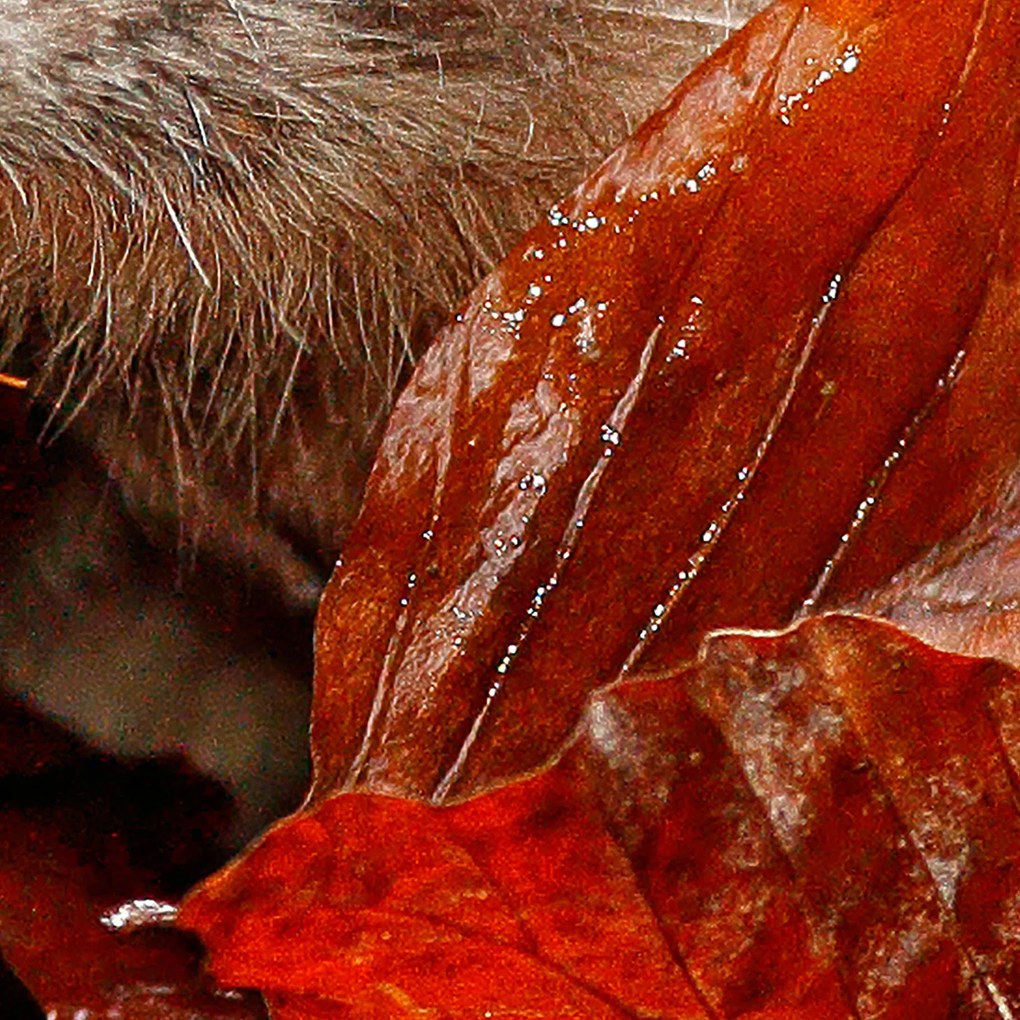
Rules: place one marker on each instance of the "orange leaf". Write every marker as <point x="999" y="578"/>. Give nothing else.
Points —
<point x="769" y="832"/>
<point x="753" y="365"/>
<point x="758" y="365"/>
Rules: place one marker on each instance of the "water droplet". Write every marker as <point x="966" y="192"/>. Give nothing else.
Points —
<point x="138" y="914"/>
<point x="832" y="291"/>
<point x="678" y="350"/>
<point x="610" y="435"/>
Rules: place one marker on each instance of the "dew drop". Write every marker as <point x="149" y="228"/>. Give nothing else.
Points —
<point x="610" y="435"/>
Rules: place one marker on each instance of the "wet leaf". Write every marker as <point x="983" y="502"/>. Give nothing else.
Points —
<point x="752" y="367"/>
<point x="758" y="366"/>
<point x="768" y="832"/>
<point x="78" y="835"/>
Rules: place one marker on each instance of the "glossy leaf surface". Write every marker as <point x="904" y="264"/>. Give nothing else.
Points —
<point x="760" y="365"/>
<point x="751" y="367"/>
<point x="769" y="832"/>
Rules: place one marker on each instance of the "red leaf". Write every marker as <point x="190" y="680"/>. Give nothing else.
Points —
<point x="754" y="418"/>
<point x="66" y="859"/>
<point x="964" y="596"/>
<point x="769" y="832"/>
<point x="52" y="899"/>
<point x="753" y="368"/>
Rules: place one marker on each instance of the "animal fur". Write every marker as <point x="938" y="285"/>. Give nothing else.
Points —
<point x="231" y="224"/>
<point x="228" y="228"/>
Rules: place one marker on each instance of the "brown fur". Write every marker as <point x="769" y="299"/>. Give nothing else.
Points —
<point x="230" y="224"/>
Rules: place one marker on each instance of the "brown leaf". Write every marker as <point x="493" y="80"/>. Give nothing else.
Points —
<point x="759" y="365"/>
<point x="753" y="366"/>
<point x="964" y="595"/>
<point x="767" y="833"/>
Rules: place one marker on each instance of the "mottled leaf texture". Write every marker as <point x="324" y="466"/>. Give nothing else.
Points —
<point x="768" y="832"/>
<point x="760" y="365"/>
